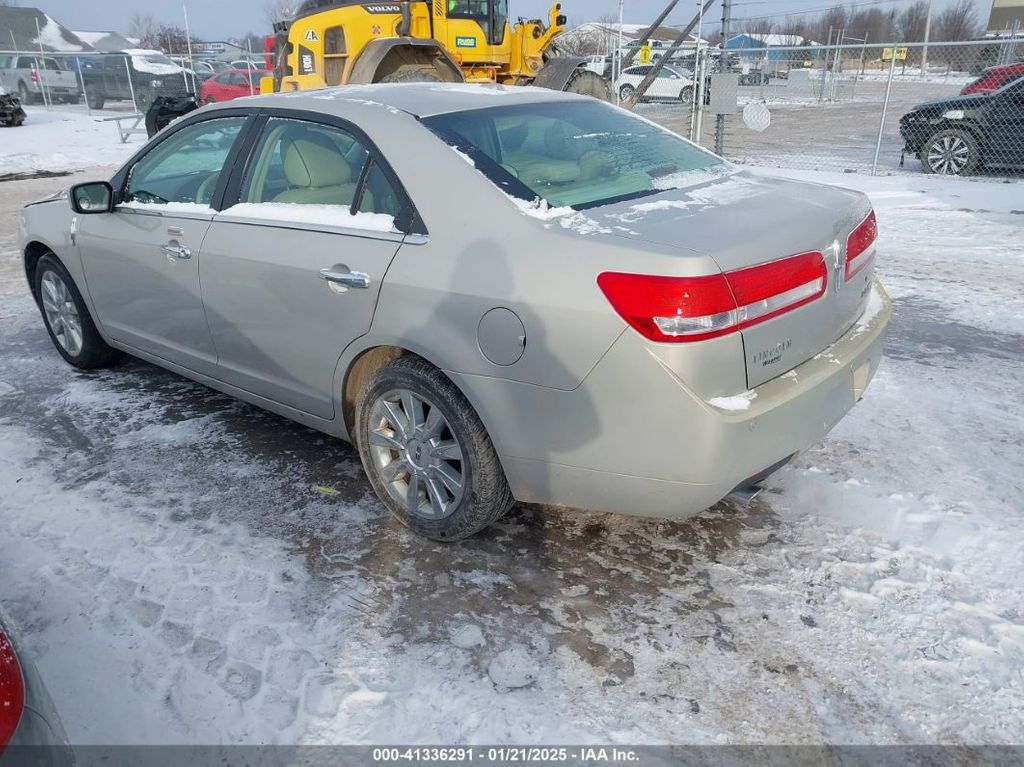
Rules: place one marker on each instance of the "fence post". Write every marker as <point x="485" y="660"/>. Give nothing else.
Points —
<point x="81" y="79"/>
<point x="131" y="85"/>
<point x="885" y="108"/>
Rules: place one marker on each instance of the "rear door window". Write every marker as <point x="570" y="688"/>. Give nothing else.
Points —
<point x="318" y="174"/>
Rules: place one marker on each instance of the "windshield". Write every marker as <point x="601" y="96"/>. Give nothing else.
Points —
<point x="579" y="154"/>
<point x="157" y="58"/>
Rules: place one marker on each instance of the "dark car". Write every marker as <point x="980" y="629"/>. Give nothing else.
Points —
<point x="30" y="730"/>
<point x="994" y="78"/>
<point x="964" y="134"/>
<point x="143" y="74"/>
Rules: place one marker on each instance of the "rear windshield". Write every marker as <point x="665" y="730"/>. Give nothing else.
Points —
<point x="578" y="154"/>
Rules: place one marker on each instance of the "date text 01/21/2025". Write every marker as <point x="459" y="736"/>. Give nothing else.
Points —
<point x="505" y="754"/>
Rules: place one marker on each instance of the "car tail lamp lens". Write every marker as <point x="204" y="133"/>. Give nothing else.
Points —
<point x="34" y="75"/>
<point x="12" y="691"/>
<point x="860" y="245"/>
<point x="681" y="309"/>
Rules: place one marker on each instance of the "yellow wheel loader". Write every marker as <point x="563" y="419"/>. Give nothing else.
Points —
<point x="340" y="42"/>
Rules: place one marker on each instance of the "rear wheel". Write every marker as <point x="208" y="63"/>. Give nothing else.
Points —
<point x="413" y="73"/>
<point x="24" y="94"/>
<point x="951" y="152"/>
<point x="587" y="83"/>
<point x="94" y="98"/>
<point x="686" y="95"/>
<point x="426" y="452"/>
<point x="67" y="318"/>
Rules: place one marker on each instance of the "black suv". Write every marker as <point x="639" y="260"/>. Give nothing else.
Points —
<point x="964" y="134"/>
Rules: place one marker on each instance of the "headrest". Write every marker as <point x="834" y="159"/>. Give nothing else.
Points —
<point x="313" y="160"/>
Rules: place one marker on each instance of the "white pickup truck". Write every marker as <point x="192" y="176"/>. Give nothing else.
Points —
<point x="26" y="75"/>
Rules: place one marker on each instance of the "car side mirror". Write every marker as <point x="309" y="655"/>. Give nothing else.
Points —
<point x="93" y="197"/>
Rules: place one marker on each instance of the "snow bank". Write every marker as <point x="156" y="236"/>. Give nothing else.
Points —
<point x="62" y="141"/>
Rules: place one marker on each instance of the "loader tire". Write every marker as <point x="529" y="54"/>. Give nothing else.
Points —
<point x="587" y="83"/>
<point x="413" y="73"/>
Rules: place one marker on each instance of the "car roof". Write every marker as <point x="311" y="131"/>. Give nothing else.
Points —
<point x="417" y="99"/>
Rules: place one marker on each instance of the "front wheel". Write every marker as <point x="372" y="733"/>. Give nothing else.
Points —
<point x="67" y="318"/>
<point x="143" y="99"/>
<point x="686" y="95"/>
<point x="951" y="152"/>
<point x="413" y="73"/>
<point x="626" y="92"/>
<point x="426" y="452"/>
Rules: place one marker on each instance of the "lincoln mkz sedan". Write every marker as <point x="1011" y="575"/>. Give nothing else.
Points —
<point x="494" y="293"/>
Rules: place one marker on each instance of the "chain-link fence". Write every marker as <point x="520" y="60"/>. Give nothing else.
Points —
<point x="953" y="108"/>
<point x="99" y="82"/>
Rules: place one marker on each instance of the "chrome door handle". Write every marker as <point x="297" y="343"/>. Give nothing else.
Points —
<point x="176" y="251"/>
<point x="346" y="279"/>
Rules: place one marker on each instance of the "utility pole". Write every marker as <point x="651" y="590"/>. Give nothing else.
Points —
<point x="650" y="30"/>
<point x="617" y="61"/>
<point x="927" y="34"/>
<point x="722" y="60"/>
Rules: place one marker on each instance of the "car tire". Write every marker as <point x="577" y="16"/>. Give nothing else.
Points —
<point x="951" y="151"/>
<point x="626" y="92"/>
<point x="94" y="98"/>
<point x="587" y="83"/>
<point x="67" y="318"/>
<point x="686" y="95"/>
<point x="413" y="73"/>
<point x="412" y="463"/>
<point x="143" y="99"/>
<point x="24" y="94"/>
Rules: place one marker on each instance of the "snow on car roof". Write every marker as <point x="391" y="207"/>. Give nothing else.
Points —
<point x="418" y="99"/>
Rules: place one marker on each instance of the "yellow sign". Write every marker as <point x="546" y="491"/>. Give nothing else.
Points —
<point x="645" y="54"/>
<point x="901" y="54"/>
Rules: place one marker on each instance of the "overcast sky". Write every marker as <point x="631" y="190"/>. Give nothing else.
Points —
<point x="218" y="19"/>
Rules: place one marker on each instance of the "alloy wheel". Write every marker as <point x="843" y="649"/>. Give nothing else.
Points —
<point x="949" y="155"/>
<point x="416" y="454"/>
<point x="61" y="313"/>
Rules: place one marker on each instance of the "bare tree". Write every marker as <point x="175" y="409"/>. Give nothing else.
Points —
<point x="142" y="26"/>
<point x="911" y="20"/>
<point x="279" y="10"/>
<point x="957" y="22"/>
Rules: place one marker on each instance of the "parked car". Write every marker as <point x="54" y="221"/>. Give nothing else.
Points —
<point x="203" y="69"/>
<point x="232" y="84"/>
<point x="30" y="729"/>
<point x="151" y="73"/>
<point x="604" y="316"/>
<point x="671" y="83"/>
<point x="27" y="75"/>
<point x="994" y="78"/>
<point x="11" y="113"/>
<point x="964" y="134"/>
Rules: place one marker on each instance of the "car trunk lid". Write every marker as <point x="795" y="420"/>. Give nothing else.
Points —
<point x="745" y="221"/>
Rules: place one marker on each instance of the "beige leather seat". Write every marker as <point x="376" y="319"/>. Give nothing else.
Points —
<point x="316" y="171"/>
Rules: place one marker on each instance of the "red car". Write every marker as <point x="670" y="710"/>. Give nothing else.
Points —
<point x="994" y="78"/>
<point x="231" y="84"/>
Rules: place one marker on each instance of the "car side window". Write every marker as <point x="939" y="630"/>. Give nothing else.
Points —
<point x="304" y="163"/>
<point x="184" y="167"/>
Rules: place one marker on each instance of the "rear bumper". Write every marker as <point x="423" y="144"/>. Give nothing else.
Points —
<point x="634" y="439"/>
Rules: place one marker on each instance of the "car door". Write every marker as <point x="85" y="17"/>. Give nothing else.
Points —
<point x="291" y="273"/>
<point x="141" y="261"/>
<point x="1005" y="126"/>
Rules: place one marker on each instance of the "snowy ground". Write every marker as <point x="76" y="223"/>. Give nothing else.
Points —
<point x="188" y="569"/>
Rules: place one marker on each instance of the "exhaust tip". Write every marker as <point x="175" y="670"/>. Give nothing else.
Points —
<point x="745" y="494"/>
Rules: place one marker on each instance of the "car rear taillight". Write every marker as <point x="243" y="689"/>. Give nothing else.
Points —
<point x="12" y="691"/>
<point x="682" y="309"/>
<point x="860" y="245"/>
<point x="34" y="75"/>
